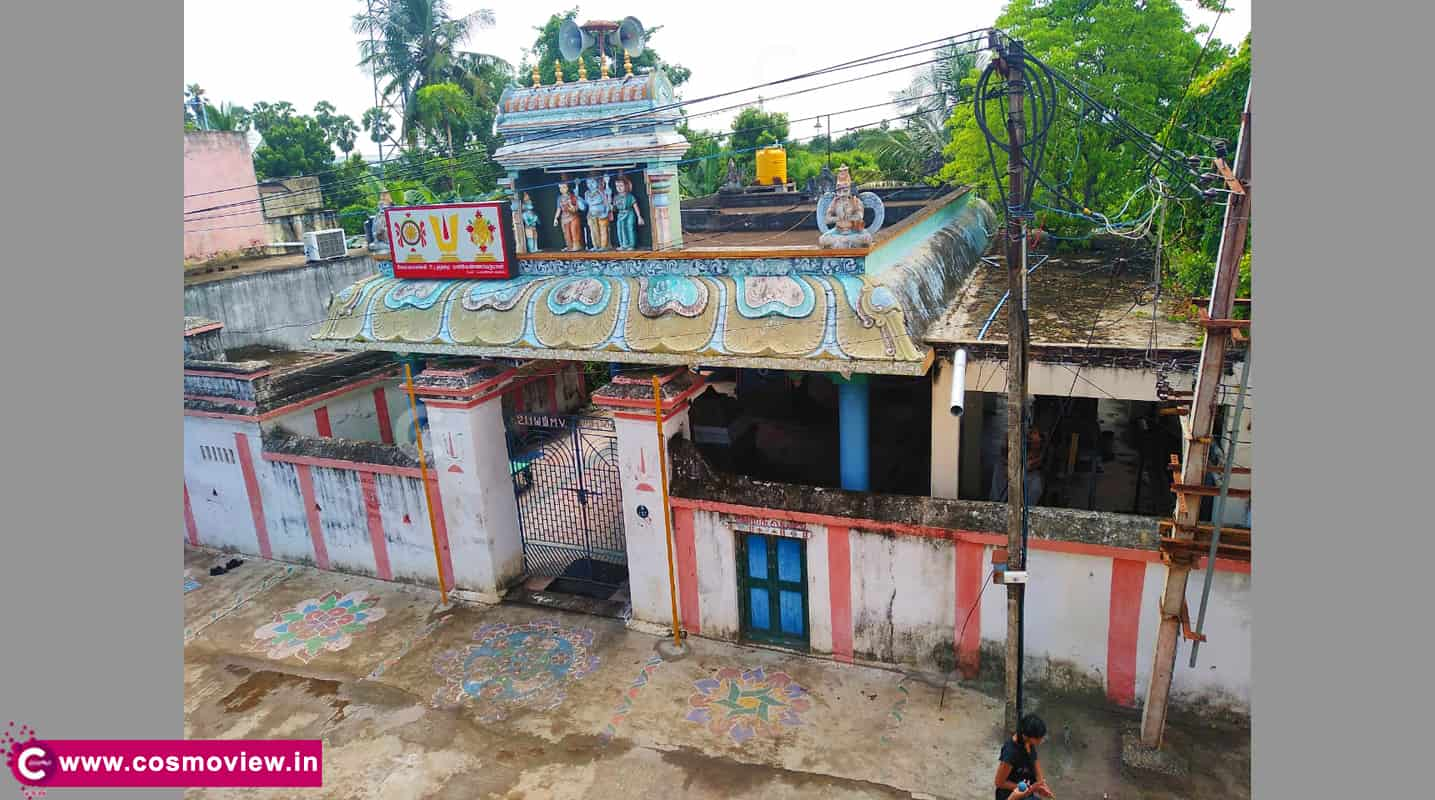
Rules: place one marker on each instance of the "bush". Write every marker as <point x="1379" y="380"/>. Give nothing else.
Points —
<point x="352" y="218"/>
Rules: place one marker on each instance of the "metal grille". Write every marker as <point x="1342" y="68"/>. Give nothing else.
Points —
<point x="565" y="476"/>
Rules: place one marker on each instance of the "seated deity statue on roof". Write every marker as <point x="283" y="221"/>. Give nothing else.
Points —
<point x="843" y="216"/>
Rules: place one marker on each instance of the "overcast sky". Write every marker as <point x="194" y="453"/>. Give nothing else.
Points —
<point x="304" y="51"/>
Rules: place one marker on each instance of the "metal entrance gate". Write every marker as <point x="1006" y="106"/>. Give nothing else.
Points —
<point x="570" y="510"/>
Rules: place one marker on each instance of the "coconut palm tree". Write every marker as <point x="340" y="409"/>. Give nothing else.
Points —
<point x="415" y="43"/>
<point x="227" y="117"/>
<point x="915" y="149"/>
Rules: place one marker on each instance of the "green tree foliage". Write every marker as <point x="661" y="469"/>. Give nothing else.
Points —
<point x="705" y="165"/>
<point x="417" y="43"/>
<point x="1138" y="58"/>
<point x="292" y="144"/>
<point x="376" y="123"/>
<point x="344" y="184"/>
<point x="1132" y="54"/>
<point x="1213" y="109"/>
<point x="227" y="117"/>
<point x="913" y="150"/>
<point x="339" y="128"/>
<point x="753" y="128"/>
<point x="545" y="53"/>
<point x="264" y="114"/>
<point x="442" y="107"/>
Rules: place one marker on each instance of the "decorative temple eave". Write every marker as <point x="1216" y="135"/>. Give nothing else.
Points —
<point x="627" y="149"/>
<point x="586" y="124"/>
<point x="767" y="312"/>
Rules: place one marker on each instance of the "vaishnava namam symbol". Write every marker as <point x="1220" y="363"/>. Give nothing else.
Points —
<point x="481" y="231"/>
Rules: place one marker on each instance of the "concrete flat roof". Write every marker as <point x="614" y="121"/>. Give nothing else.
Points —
<point x="1073" y="300"/>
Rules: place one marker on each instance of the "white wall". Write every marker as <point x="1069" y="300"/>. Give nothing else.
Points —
<point x="717" y="576"/>
<point x="479" y="506"/>
<point x="903" y="597"/>
<point x="1067" y="616"/>
<point x="647" y="551"/>
<point x="218" y="496"/>
<point x="1227" y="649"/>
<point x="284" y="513"/>
<point x="407" y="534"/>
<point x="353" y="415"/>
<point x="226" y="520"/>
<point x="344" y="520"/>
<point x="819" y="591"/>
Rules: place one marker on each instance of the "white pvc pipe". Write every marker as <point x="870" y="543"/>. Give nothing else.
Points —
<point x="959" y="382"/>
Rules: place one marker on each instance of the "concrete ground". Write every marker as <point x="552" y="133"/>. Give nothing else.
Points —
<point x="520" y="702"/>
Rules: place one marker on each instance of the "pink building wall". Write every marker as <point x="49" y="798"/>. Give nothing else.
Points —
<point x="219" y="184"/>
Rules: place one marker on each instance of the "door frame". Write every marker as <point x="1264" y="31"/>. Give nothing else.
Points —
<point x="773" y="585"/>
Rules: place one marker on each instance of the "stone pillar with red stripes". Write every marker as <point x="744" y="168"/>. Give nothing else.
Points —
<point x="629" y="397"/>
<point x="474" y="494"/>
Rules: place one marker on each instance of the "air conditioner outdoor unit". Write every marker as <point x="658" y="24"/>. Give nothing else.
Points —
<point x="325" y="245"/>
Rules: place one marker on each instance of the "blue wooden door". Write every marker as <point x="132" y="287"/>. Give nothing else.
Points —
<point x="773" y="589"/>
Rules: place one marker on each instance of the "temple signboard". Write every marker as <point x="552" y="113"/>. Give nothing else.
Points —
<point x="453" y="240"/>
<point x="767" y="527"/>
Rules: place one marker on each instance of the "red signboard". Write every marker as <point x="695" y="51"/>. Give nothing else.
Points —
<point x="453" y="240"/>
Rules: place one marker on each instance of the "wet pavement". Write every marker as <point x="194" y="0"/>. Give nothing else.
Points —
<point x="514" y="701"/>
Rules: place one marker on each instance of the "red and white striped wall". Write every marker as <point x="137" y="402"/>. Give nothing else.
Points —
<point x="898" y="593"/>
<point x="368" y="519"/>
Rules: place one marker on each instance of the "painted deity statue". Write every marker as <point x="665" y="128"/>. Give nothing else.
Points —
<point x="844" y="217"/>
<point x="599" y="206"/>
<point x="569" y="218"/>
<point x="530" y="223"/>
<point x="628" y="216"/>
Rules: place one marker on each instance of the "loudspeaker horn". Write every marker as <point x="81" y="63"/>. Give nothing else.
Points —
<point x="573" y="40"/>
<point x="630" y="36"/>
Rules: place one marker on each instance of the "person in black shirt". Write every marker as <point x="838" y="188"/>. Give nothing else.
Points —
<point x="1018" y="762"/>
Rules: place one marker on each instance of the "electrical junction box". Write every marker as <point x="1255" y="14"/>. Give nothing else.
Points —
<point x="1004" y="576"/>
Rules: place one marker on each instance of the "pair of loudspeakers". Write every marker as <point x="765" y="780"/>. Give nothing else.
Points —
<point x="627" y="36"/>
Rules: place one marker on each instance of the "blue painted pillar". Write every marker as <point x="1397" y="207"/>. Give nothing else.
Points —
<point x="852" y="419"/>
<point x="414" y="361"/>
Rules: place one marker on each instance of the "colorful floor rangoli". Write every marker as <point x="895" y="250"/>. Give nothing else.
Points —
<point x="512" y="667"/>
<point x="629" y="695"/>
<point x="744" y="703"/>
<point x="314" y="626"/>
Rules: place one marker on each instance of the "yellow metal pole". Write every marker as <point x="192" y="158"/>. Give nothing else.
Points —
<point x="424" y="477"/>
<point x="667" y="512"/>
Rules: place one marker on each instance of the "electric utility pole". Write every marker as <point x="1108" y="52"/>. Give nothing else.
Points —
<point x="1195" y="464"/>
<point x="1013" y="70"/>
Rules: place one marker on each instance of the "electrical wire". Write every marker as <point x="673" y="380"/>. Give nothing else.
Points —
<point x="441" y="165"/>
<point x="440" y="171"/>
<point x="721" y="154"/>
<point x="607" y="122"/>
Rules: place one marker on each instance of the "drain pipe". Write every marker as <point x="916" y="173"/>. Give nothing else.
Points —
<point x="959" y="383"/>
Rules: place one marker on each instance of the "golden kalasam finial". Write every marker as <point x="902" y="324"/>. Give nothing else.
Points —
<point x="582" y="69"/>
<point x="628" y="65"/>
<point x="558" y="71"/>
<point x="603" y="66"/>
<point x="537" y="76"/>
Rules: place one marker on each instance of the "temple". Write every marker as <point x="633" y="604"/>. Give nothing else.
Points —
<point x="824" y="498"/>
